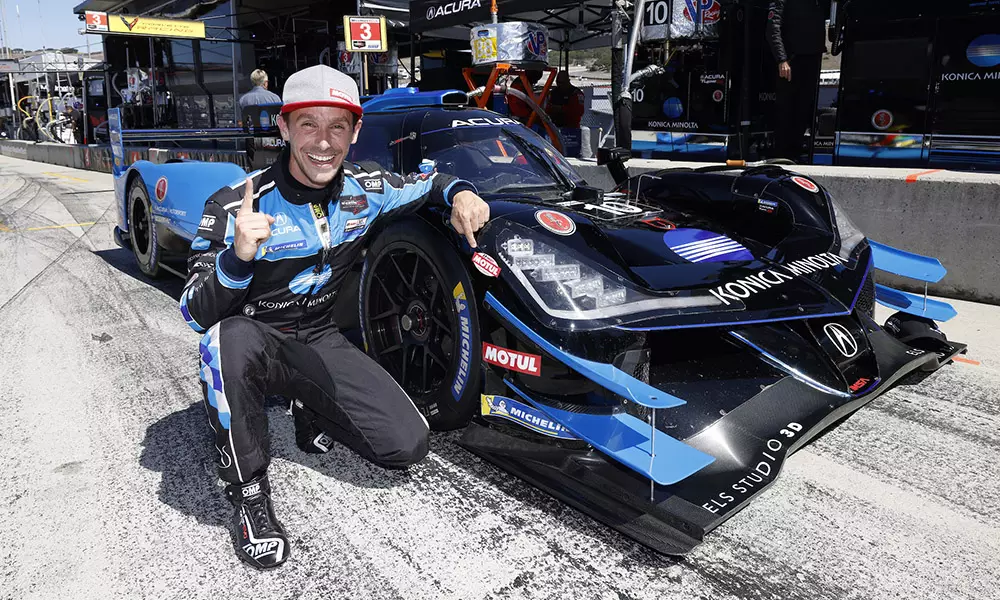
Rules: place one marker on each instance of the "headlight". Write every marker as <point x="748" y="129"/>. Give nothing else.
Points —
<point x="571" y="293"/>
<point x="848" y="233"/>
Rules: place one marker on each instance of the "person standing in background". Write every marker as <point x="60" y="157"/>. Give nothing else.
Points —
<point x="566" y="102"/>
<point x="796" y="31"/>
<point x="259" y="94"/>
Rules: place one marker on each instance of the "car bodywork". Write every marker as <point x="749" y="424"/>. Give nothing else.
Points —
<point x="650" y="355"/>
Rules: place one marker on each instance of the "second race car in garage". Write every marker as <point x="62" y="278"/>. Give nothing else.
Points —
<point x="650" y="355"/>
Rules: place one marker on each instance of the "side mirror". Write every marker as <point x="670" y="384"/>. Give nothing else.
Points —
<point x="615" y="159"/>
<point x="607" y="155"/>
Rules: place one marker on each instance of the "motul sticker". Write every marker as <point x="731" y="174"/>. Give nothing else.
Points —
<point x="486" y="264"/>
<point x="530" y="364"/>
<point x="805" y="184"/>
<point x="556" y="222"/>
<point x="161" y="189"/>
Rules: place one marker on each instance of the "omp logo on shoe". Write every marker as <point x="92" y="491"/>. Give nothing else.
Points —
<point x="323" y="442"/>
<point x="262" y="549"/>
<point x="465" y="342"/>
<point x="251" y="490"/>
<point x="529" y="364"/>
<point x="257" y="547"/>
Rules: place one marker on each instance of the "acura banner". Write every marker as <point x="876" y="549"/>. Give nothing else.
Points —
<point x="427" y="15"/>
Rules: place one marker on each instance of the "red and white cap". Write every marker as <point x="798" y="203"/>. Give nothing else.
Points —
<point x="321" y="85"/>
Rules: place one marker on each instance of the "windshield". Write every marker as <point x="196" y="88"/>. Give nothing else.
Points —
<point x="500" y="160"/>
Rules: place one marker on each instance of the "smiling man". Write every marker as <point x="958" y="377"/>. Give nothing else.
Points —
<point x="264" y="271"/>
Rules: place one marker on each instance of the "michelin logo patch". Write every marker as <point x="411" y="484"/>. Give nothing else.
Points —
<point x="524" y="415"/>
<point x="465" y="346"/>
<point x="265" y="250"/>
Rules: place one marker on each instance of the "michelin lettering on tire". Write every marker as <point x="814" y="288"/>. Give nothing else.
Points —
<point x="465" y="342"/>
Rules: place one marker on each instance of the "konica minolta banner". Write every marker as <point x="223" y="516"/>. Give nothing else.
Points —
<point x="428" y="15"/>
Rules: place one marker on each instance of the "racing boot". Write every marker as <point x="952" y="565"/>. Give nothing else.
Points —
<point x="259" y="537"/>
<point x="308" y="435"/>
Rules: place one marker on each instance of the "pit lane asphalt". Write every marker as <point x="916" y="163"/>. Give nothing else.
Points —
<point x="107" y="490"/>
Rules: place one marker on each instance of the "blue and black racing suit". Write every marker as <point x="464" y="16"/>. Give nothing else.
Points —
<point x="268" y="322"/>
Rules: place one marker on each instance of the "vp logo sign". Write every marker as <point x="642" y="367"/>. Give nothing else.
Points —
<point x="841" y="338"/>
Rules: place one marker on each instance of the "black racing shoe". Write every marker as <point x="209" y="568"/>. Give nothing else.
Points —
<point x="308" y="436"/>
<point x="259" y="537"/>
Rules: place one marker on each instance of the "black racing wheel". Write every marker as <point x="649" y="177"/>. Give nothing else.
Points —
<point x="420" y="322"/>
<point x="142" y="229"/>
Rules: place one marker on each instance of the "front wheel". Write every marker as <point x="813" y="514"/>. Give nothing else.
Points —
<point x="142" y="229"/>
<point x="420" y="323"/>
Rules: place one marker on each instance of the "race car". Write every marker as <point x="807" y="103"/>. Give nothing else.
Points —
<point x="650" y="355"/>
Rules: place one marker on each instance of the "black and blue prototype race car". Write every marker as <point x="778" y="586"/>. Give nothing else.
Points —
<point x="650" y="355"/>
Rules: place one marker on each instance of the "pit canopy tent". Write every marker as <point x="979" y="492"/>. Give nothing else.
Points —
<point x="576" y="24"/>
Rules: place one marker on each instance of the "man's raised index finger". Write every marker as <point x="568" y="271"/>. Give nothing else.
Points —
<point x="247" y="205"/>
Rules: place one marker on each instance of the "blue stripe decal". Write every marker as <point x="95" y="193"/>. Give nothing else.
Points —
<point x="226" y="280"/>
<point x="602" y="374"/>
<point x="211" y="374"/>
<point x="628" y="440"/>
<point x="185" y="296"/>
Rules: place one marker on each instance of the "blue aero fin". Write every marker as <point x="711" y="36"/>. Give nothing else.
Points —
<point x="906" y="264"/>
<point x="913" y="304"/>
<point x="628" y="440"/>
<point x="603" y="374"/>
